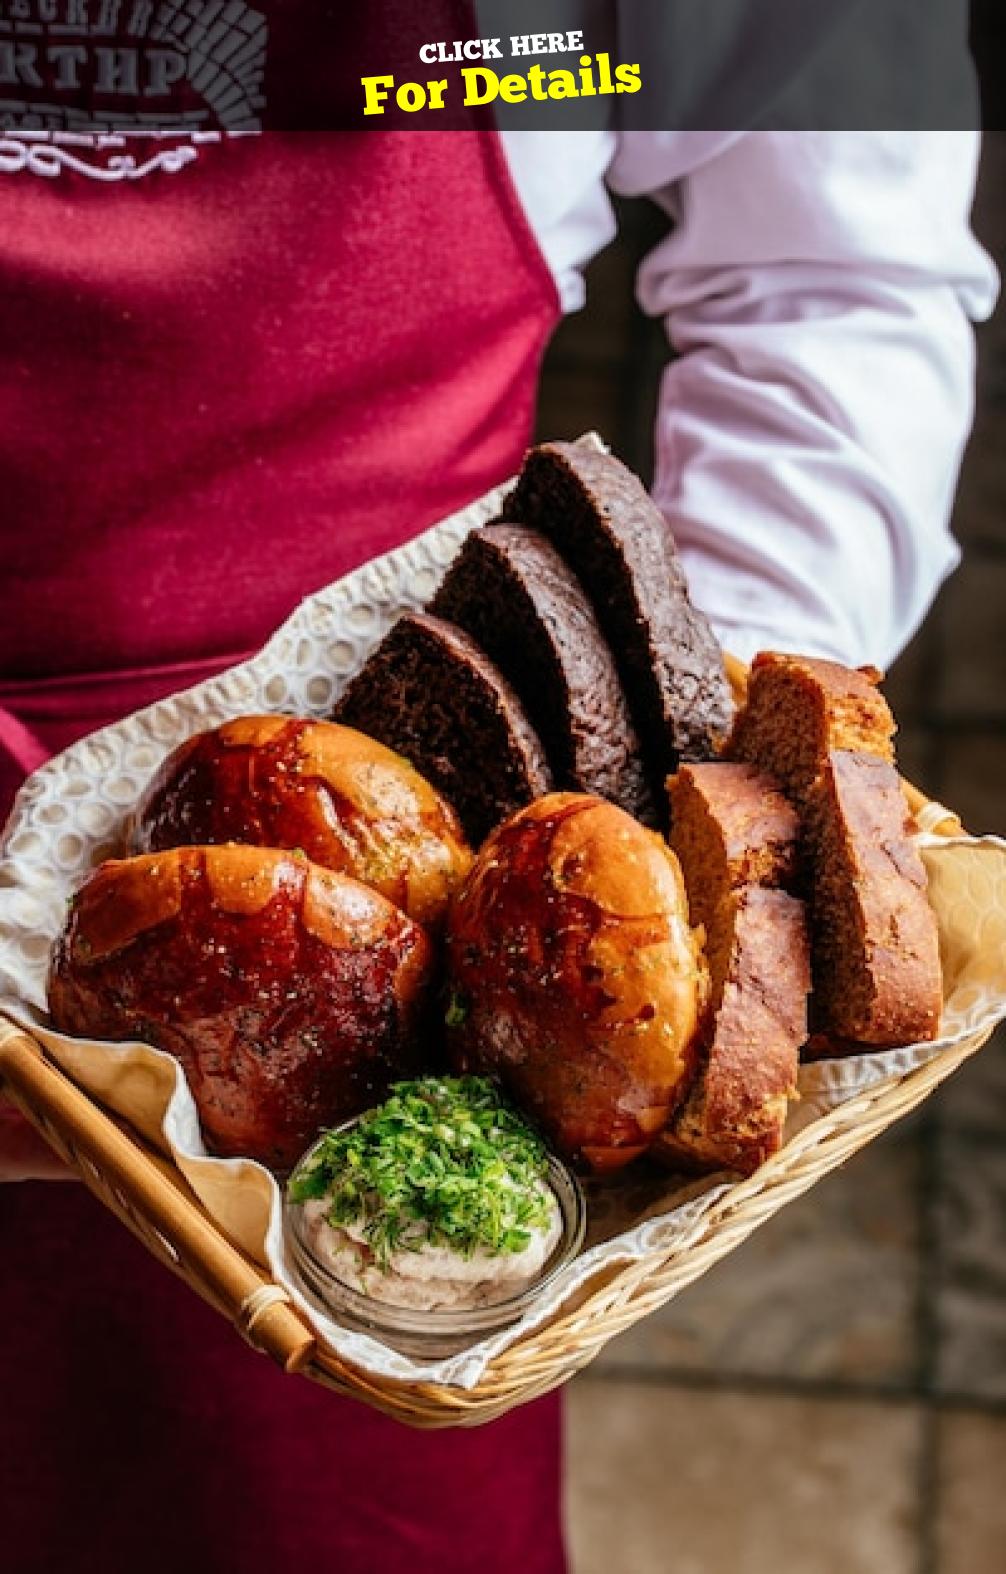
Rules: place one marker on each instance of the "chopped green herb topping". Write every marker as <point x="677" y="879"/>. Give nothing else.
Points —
<point x="443" y="1161"/>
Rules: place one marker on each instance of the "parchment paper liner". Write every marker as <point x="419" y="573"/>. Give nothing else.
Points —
<point x="70" y="814"/>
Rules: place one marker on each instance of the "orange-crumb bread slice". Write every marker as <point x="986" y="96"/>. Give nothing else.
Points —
<point x="736" y="837"/>
<point x="877" y="977"/>
<point x="825" y="732"/>
<point x="734" y="1115"/>
<point x="731" y="825"/>
<point x="799" y="708"/>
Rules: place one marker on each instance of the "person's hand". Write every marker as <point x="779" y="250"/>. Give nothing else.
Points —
<point x="23" y="1154"/>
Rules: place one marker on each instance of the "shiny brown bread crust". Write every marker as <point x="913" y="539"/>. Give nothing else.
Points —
<point x="799" y="708"/>
<point x="734" y="1116"/>
<point x="344" y="800"/>
<point x="575" y="976"/>
<point x="877" y="975"/>
<point x="291" y="995"/>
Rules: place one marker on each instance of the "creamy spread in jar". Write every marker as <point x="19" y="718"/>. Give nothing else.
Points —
<point x="438" y="1200"/>
<point x="428" y="1277"/>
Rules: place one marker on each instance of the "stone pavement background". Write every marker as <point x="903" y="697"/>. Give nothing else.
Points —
<point x="833" y="1396"/>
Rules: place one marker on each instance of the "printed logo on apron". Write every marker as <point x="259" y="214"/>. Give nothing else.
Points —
<point x="116" y="89"/>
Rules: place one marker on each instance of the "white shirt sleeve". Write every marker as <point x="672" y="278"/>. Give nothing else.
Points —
<point x="817" y="287"/>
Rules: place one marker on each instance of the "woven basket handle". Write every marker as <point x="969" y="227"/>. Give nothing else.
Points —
<point x="151" y="1197"/>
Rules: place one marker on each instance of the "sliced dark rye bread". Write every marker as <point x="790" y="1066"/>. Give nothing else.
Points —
<point x="825" y="732"/>
<point x="616" y="540"/>
<point x="515" y="595"/>
<point x="737" y="839"/>
<point x="430" y="694"/>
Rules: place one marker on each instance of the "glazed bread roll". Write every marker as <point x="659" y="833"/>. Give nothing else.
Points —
<point x="291" y="995"/>
<point x="575" y="977"/>
<point x="347" y="802"/>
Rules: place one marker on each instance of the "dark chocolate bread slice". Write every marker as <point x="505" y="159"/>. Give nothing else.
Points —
<point x="431" y="695"/>
<point x="522" y="604"/>
<point x="604" y="523"/>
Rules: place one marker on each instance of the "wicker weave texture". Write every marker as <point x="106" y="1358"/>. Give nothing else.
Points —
<point x="152" y="1200"/>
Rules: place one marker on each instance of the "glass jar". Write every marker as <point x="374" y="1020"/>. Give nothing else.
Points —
<point x="431" y="1333"/>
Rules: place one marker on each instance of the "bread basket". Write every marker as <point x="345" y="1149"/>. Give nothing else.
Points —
<point x="302" y="670"/>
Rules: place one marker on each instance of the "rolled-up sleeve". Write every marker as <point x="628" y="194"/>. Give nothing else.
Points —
<point x="818" y="289"/>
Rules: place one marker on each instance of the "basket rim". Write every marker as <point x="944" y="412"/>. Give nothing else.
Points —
<point x="545" y="1357"/>
<point x="635" y="1289"/>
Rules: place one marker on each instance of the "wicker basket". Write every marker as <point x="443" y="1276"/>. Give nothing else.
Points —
<point x="150" y="1196"/>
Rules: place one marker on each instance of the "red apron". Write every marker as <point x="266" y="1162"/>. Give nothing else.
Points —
<point x="221" y="388"/>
